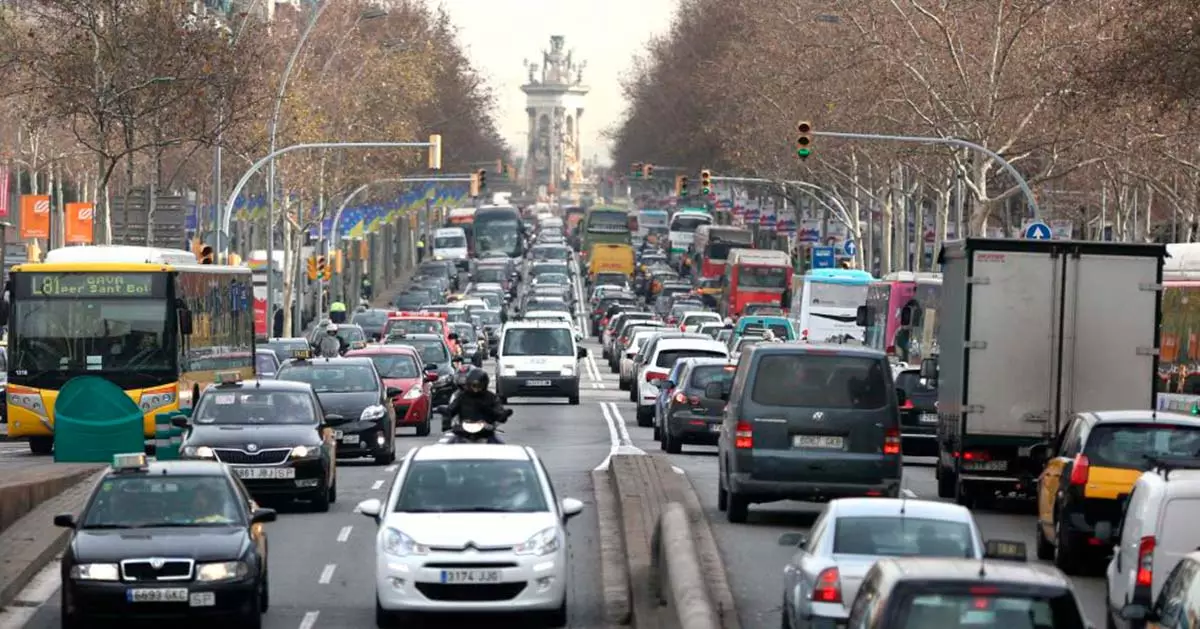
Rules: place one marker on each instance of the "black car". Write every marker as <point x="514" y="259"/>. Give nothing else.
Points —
<point x="285" y="346"/>
<point x="169" y="540"/>
<point x="441" y="269"/>
<point x="918" y="414"/>
<point x="412" y="300"/>
<point x="690" y="417"/>
<point x="491" y="321"/>
<point x="435" y="353"/>
<point x="356" y="403"/>
<point x="271" y="433"/>
<point x="600" y="311"/>
<point x="371" y="321"/>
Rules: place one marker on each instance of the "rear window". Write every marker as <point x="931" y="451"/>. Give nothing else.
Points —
<point x="913" y="384"/>
<point x="970" y="610"/>
<point x="704" y="376"/>
<point x="1135" y="446"/>
<point x="668" y="357"/>
<point x="901" y="536"/>
<point x="820" y="380"/>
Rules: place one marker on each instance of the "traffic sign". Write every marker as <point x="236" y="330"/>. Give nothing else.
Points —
<point x="849" y="248"/>
<point x="1038" y="230"/>
<point x="824" y="257"/>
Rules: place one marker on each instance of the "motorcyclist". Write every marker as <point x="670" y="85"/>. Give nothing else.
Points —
<point x="475" y="402"/>
<point x="330" y="345"/>
<point x="363" y="306"/>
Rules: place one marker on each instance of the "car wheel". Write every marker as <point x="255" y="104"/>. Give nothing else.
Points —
<point x="573" y="400"/>
<point x="333" y="491"/>
<point x="672" y="444"/>
<point x="632" y="392"/>
<point x="423" y="427"/>
<point x="1066" y="556"/>
<point x="946" y="482"/>
<point x="622" y="384"/>
<point x="252" y="618"/>
<point x="320" y="501"/>
<point x="737" y="508"/>
<point x="264" y="596"/>
<point x="658" y="435"/>
<point x="1045" y="550"/>
<point x="386" y="458"/>
<point x="645" y="416"/>
<point x="384" y="618"/>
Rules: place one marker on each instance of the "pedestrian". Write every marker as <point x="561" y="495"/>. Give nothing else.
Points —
<point x="420" y="249"/>
<point x="277" y="326"/>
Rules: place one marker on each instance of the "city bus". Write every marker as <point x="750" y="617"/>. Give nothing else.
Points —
<point x="756" y="276"/>
<point x="463" y="217"/>
<point x="605" y="225"/>
<point x="652" y="224"/>
<point x="681" y="233"/>
<point x="825" y="304"/>
<point x="712" y="244"/>
<point x="499" y="228"/>
<point x="900" y="316"/>
<point x="152" y="321"/>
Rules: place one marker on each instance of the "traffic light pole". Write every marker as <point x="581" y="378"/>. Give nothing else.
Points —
<point x="917" y="139"/>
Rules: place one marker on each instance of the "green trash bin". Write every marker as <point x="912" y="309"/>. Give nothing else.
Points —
<point x="93" y="420"/>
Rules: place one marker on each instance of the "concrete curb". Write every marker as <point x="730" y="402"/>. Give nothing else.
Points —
<point x="678" y="576"/>
<point x="711" y="562"/>
<point x="26" y="488"/>
<point x="614" y="578"/>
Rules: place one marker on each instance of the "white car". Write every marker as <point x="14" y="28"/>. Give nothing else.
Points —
<point x="451" y="506"/>
<point x="850" y="535"/>
<point x="626" y="365"/>
<point x="659" y="363"/>
<point x="710" y="328"/>
<point x="691" y="321"/>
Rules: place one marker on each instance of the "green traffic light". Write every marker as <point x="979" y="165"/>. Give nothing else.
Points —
<point x="803" y="152"/>
<point x="705" y="191"/>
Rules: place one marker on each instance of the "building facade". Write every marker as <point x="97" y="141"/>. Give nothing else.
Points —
<point x="554" y="97"/>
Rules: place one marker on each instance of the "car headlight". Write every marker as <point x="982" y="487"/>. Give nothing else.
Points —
<point x="305" y="452"/>
<point x="199" y="452"/>
<point x="221" y="571"/>
<point x="413" y="393"/>
<point x="398" y="544"/>
<point x="372" y="413"/>
<point x="568" y="370"/>
<point x="543" y="542"/>
<point x="96" y="572"/>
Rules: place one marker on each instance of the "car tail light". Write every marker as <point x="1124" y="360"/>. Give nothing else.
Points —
<point x="907" y="405"/>
<point x="681" y="398"/>
<point x="1079" y="474"/>
<point x="743" y="436"/>
<point x="891" y="441"/>
<point x="829" y="587"/>
<point x="652" y="376"/>
<point x="1145" y="562"/>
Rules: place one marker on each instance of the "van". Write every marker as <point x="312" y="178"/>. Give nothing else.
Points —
<point x="538" y="358"/>
<point x="807" y="422"/>
<point x="611" y="258"/>
<point x="450" y="243"/>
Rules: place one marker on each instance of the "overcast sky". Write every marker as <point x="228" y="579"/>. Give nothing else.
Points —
<point x="500" y="34"/>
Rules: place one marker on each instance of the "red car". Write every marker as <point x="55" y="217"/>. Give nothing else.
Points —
<point x="401" y="367"/>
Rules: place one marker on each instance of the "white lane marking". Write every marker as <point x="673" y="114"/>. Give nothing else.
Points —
<point x="619" y="420"/>
<point x="677" y="469"/>
<point x="310" y="619"/>
<point x="377" y="484"/>
<point x="618" y="435"/>
<point x="22" y="609"/>
<point x="344" y="534"/>
<point x="593" y="370"/>
<point x="390" y="468"/>
<point x="908" y="493"/>
<point x="327" y="574"/>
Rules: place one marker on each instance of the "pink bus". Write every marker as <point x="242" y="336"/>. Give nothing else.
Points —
<point x="900" y="316"/>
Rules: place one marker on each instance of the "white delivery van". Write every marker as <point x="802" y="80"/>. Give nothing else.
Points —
<point x="450" y="243"/>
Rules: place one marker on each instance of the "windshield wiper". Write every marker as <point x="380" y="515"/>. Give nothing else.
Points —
<point x="93" y="527"/>
<point x="485" y="510"/>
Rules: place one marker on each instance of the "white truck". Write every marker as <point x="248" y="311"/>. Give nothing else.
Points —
<point x="1031" y="332"/>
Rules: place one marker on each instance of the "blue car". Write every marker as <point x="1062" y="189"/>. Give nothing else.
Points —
<point x="781" y="327"/>
<point x="664" y="397"/>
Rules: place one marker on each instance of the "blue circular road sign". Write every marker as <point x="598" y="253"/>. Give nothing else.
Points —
<point x="849" y="248"/>
<point x="1038" y="230"/>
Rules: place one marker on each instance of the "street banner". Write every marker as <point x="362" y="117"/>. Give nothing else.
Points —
<point x="79" y="223"/>
<point x="4" y="191"/>
<point x="35" y="216"/>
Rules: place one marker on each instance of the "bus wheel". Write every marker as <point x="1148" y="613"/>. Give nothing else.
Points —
<point x="41" y="445"/>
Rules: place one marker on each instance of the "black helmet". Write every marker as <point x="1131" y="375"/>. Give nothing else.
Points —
<point x="476" y="380"/>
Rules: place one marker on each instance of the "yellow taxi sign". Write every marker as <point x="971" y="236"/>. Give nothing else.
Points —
<point x="130" y="461"/>
<point x="1004" y="549"/>
<point x="302" y="354"/>
<point x="228" y="377"/>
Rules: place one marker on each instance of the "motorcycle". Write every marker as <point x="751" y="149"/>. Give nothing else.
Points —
<point x="471" y="430"/>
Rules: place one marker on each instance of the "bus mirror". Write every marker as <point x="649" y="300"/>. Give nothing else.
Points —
<point x="185" y="321"/>
<point x="4" y="307"/>
<point x="861" y="317"/>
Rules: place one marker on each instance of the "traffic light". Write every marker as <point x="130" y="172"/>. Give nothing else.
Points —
<point x="312" y="269"/>
<point x="474" y="186"/>
<point x="648" y="170"/>
<point x="435" y="152"/>
<point x="803" y="139"/>
<point x="206" y="254"/>
<point x="482" y="180"/>
<point x="636" y="170"/>
<point x="327" y="269"/>
<point x="681" y="185"/>
<point x="705" y="182"/>
<point x="322" y="268"/>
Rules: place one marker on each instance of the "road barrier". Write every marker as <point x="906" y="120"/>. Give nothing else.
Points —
<point x="677" y="578"/>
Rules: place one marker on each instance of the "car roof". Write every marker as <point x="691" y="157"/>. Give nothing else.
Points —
<point x="288" y="339"/>
<point x="969" y="571"/>
<point x="705" y="361"/>
<point x="174" y="468"/>
<point x="321" y="361"/>
<point x="705" y="342"/>
<point x="270" y="384"/>
<point x="394" y="348"/>
<point x="800" y="347"/>
<point x="866" y="507"/>
<point x="471" y="451"/>
<point x="538" y="323"/>
<point x="423" y="337"/>
<point x="557" y="314"/>
<point x="1140" y="416"/>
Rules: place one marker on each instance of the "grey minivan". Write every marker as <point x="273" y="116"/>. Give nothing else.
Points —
<point x="807" y="422"/>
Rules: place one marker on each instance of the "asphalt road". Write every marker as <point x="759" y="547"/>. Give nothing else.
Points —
<point x="753" y="559"/>
<point x="322" y="565"/>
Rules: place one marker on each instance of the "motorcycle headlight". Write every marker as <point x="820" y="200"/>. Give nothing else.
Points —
<point x="413" y="393"/>
<point x="305" y="452"/>
<point x="221" y="571"/>
<point x="400" y="545"/>
<point x="199" y="452"/>
<point x="372" y="413"/>
<point x="96" y="572"/>
<point x="542" y="543"/>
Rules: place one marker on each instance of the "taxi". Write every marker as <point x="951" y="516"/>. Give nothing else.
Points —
<point x="271" y="433"/>
<point x="422" y="323"/>
<point x="165" y="540"/>
<point x="1091" y="467"/>
<point x="946" y="593"/>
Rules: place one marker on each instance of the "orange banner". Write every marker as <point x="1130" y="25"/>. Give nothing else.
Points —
<point x="35" y="216"/>
<point x="79" y="223"/>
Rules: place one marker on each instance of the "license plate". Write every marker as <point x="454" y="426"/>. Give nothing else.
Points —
<point x="349" y="439"/>
<point x="202" y="599"/>
<point x="337" y="434"/>
<point x="823" y="442"/>
<point x="157" y="595"/>
<point x="929" y="418"/>
<point x="537" y="383"/>
<point x="714" y="427"/>
<point x="265" y="473"/>
<point x="985" y="466"/>
<point x="470" y="576"/>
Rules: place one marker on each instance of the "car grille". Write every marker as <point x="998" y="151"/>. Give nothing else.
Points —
<point x="233" y="456"/>
<point x="470" y="592"/>
<point x="145" y="570"/>
<point x="538" y="374"/>
<point x="470" y="565"/>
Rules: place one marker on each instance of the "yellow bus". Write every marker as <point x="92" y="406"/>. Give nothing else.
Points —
<point x="153" y="321"/>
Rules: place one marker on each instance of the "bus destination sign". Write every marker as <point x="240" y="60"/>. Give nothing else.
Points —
<point x="92" y="284"/>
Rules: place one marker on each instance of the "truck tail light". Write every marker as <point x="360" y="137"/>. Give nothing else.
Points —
<point x="1079" y="476"/>
<point x="829" y="587"/>
<point x="891" y="441"/>
<point x="743" y="436"/>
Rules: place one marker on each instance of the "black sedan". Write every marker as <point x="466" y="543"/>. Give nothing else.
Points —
<point x="272" y="435"/>
<point x="173" y="540"/>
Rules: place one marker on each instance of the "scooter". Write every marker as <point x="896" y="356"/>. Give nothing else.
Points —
<point x="471" y="430"/>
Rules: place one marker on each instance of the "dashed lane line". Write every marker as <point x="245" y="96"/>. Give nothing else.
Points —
<point x="390" y="468"/>
<point x="377" y="484"/>
<point x="344" y="534"/>
<point x="309" y="620"/>
<point x="327" y="574"/>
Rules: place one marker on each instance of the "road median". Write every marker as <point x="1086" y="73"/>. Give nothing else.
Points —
<point x="673" y="575"/>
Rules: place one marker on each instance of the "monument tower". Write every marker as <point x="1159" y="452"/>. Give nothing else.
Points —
<point x="554" y="98"/>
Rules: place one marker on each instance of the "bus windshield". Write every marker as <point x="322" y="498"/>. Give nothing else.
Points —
<point x="91" y="335"/>
<point x="498" y="231"/>
<point x="608" y="221"/>
<point x="848" y="296"/>
<point x="689" y="222"/>
<point x="762" y="277"/>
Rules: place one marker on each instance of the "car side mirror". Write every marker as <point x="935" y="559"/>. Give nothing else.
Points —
<point x="793" y="540"/>
<point x="901" y="396"/>
<point x="179" y="421"/>
<point x="929" y="368"/>
<point x="262" y="516"/>
<point x="393" y="392"/>
<point x="861" y="316"/>
<point x="65" y="520"/>
<point x="570" y="508"/>
<point x="581" y="352"/>
<point x="371" y="508"/>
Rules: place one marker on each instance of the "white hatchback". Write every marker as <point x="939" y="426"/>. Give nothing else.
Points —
<point x="471" y="528"/>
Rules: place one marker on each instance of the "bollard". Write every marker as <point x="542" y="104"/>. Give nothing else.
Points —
<point x="162" y="433"/>
<point x="176" y="442"/>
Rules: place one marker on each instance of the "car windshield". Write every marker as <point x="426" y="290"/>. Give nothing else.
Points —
<point x="332" y="378"/>
<point x="902" y="536"/>
<point x="821" y="381"/>
<point x="768" y="277"/>
<point x="538" y="342"/>
<point x="256" y="407"/>
<point x="1137" y="445"/>
<point x="414" y="326"/>
<point x="667" y="357"/>
<point x="431" y="351"/>
<point x="466" y="333"/>
<point x="488" y="317"/>
<point x="395" y="366"/>
<point x="265" y="363"/>
<point x="489" y="275"/>
<point x="450" y="242"/>
<point x="471" y="486"/>
<point x="972" y="610"/>
<point x="143" y="501"/>
<point x="698" y="318"/>
<point x="493" y="301"/>
<point x="707" y="374"/>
